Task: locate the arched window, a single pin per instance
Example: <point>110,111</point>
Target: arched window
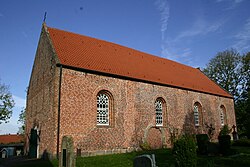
<point>197,114</point>
<point>159,112</point>
<point>223,118</point>
<point>103,108</point>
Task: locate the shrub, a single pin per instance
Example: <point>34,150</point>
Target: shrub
<point>224,140</point>
<point>202,142</point>
<point>174,134</point>
<point>225,130</point>
<point>145,146</point>
<point>242,142</point>
<point>225,143</point>
<point>210,131</point>
<point>184,151</point>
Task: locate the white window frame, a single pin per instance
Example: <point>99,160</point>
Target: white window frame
<point>222,115</point>
<point>103,112</point>
<point>196,115</point>
<point>158,113</point>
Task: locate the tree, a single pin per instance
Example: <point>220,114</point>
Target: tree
<point>242,106</point>
<point>246,76</point>
<point>6,103</point>
<point>232,72</point>
<point>21,120</point>
<point>224,69</point>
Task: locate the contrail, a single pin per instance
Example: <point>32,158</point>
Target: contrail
<point>163,7</point>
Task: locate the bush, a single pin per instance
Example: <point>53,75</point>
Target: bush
<point>202,142</point>
<point>225,130</point>
<point>184,151</point>
<point>210,131</point>
<point>242,142</point>
<point>225,143</point>
<point>145,146</point>
<point>174,134</point>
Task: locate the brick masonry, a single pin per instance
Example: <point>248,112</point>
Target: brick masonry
<point>42,96</point>
<point>133,112</point>
<point>132,116</point>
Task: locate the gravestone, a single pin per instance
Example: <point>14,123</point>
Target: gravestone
<point>235,134</point>
<point>4,153</point>
<point>145,161</point>
<point>67,157</point>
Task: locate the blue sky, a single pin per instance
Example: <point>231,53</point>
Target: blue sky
<point>187,31</point>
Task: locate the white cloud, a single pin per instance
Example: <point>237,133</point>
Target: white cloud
<point>231,4</point>
<point>243,38</point>
<point>8,128</point>
<point>238,1</point>
<point>164,9</point>
<point>168,50</point>
<point>177,53</point>
<point>19,101</point>
<point>174,48</point>
<point>232,1</point>
<point>177,48</point>
<point>200,27</point>
<point>24,34</point>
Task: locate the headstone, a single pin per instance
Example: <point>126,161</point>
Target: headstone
<point>18,152</point>
<point>235,134</point>
<point>67,156</point>
<point>144,161</point>
<point>4,154</point>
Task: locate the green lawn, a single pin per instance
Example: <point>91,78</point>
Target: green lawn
<point>163,157</point>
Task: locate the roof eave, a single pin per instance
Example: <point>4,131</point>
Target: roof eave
<point>231,96</point>
<point>136,79</point>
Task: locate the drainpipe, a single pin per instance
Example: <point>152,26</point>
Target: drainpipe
<point>58,118</point>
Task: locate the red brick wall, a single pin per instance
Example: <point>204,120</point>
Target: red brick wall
<point>134,114</point>
<point>41,109</point>
<point>154,138</point>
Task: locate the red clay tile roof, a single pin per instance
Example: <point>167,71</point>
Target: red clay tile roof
<point>7,139</point>
<point>84,52</point>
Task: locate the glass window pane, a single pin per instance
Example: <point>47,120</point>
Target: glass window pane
<point>102,109</point>
<point>158,112</point>
<point>196,115</point>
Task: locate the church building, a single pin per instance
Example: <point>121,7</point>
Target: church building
<point>113,99</point>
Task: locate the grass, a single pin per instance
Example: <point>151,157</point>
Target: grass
<point>124,160</point>
<point>163,157</point>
